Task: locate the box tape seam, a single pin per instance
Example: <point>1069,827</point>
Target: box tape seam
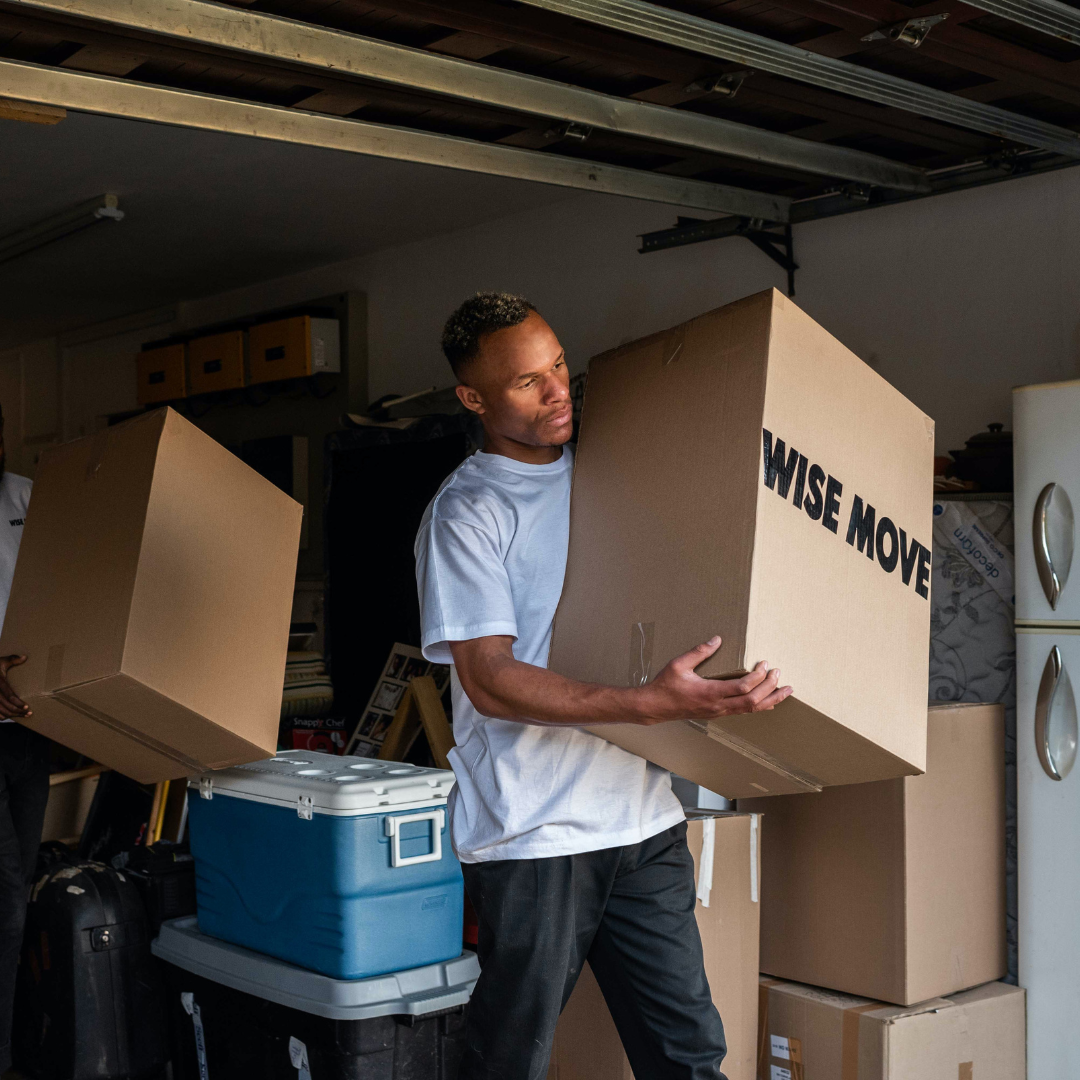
<point>764,985</point>
<point>754,870</point>
<point>806,781</point>
<point>705,863</point>
<point>117,725</point>
<point>849,1051</point>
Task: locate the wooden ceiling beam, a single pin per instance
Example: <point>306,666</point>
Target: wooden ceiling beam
<point>551,33</point>
<point>467,46</point>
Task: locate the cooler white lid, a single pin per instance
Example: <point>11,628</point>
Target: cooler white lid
<point>334,785</point>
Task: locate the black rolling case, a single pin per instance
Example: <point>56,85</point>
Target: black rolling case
<point>89,1003</point>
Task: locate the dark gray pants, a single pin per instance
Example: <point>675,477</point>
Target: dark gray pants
<point>630,912</point>
<point>24,791</point>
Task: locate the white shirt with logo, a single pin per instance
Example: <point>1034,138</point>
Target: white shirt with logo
<point>490,561</point>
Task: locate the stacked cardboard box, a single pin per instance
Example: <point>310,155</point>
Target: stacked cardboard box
<point>587,1046</point>
<point>894,892</point>
<point>812,1034</point>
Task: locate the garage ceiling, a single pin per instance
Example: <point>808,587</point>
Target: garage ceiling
<point>818,70</point>
<point>764,111</point>
<point>206,212</point>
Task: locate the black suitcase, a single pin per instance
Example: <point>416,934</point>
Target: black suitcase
<point>89,1004</point>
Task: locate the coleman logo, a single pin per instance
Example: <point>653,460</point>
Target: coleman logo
<point>818,494</point>
<point>15,521</point>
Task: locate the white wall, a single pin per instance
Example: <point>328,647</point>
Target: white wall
<point>953,299</point>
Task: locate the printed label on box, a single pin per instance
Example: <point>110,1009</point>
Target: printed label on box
<point>778,1047</point>
<point>778,1072</point>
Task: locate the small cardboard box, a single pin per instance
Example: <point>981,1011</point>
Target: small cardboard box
<point>894,890</point>
<point>162,375</point>
<point>744,474</point>
<point>293,348</point>
<point>811,1034</point>
<point>587,1046</point>
<point>152,598</point>
<point>216,362</point>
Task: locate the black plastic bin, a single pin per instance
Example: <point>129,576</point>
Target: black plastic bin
<point>236,1013</point>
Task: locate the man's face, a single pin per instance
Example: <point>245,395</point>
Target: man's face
<point>519,385</point>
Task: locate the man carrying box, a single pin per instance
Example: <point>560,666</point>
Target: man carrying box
<point>24,769</point>
<point>572,848</point>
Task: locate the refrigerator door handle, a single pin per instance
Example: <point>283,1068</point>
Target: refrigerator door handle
<point>1056,755</point>
<point>1052,536</point>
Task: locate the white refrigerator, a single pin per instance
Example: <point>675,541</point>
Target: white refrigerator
<point>1046,434</point>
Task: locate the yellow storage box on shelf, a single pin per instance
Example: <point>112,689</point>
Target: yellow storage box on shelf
<point>216,362</point>
<point>293,348</point>
<point>161,374</point>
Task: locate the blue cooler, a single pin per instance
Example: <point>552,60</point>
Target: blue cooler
<point>342,865</point>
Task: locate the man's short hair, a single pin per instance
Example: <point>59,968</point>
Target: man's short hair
<point>481,314</point>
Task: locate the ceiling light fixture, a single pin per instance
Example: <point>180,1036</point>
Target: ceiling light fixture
<point>59,226</point>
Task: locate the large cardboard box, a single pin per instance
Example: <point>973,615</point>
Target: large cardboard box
<point>587,1046</point>
<point>812,1034</point>
<point>744,474</point>
<point>152,597</point>
<point>894,890</point>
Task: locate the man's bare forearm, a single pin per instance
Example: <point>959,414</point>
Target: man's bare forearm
<point>512,690</point>
<point>501,686</point>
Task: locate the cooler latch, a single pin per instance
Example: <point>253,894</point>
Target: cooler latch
<point>303,807</point>
<point>206,787</point>
<point>393,827</point>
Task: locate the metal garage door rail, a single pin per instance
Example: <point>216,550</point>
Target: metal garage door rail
<point>726,43</point>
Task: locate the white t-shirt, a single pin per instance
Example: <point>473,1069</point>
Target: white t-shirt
<point>490,560</point>
<point>14,499</point>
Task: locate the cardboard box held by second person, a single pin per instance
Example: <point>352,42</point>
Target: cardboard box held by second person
<point>745,474</point>
<point>152,598</point>
<point>894,890</point>
<point>587,1046</point>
